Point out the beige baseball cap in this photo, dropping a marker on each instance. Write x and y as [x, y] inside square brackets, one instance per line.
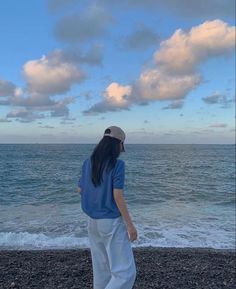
[118, 133]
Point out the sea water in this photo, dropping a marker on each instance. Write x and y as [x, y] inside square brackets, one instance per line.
[177, 195]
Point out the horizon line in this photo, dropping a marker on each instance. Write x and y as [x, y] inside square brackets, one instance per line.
[32, 143]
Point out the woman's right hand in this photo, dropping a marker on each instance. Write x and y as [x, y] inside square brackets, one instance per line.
[132, 232]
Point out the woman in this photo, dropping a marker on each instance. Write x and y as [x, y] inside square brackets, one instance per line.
[110, 228]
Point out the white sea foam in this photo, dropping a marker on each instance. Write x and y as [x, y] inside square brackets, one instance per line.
[184, 236]
[25, 240]
[155, 237]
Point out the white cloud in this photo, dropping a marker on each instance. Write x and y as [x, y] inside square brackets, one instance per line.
[174, 72]
[46, 77]
[117, 94]
[153, 84]
[116, 97]
[50, 75]
[183, 51]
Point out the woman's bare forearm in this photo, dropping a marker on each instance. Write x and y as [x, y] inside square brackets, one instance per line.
[121, 204]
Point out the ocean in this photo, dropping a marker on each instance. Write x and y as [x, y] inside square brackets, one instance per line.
[177, 195]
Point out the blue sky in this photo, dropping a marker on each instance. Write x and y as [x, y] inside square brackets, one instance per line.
[162, 72]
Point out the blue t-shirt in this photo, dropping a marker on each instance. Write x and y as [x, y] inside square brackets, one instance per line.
[98, 202]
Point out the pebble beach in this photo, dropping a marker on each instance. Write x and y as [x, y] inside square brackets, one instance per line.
[159, 268]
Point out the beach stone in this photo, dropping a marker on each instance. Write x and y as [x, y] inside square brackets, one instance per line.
[157, 268]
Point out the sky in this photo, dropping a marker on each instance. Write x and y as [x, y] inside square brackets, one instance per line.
[163, 71]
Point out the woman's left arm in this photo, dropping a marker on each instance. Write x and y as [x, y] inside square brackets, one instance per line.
[79, 189]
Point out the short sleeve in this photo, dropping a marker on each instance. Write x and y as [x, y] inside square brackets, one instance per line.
[119, 175]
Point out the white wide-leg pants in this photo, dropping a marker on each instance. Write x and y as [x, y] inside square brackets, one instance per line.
[112, 255]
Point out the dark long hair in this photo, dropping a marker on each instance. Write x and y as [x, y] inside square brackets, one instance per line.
[104, 155]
